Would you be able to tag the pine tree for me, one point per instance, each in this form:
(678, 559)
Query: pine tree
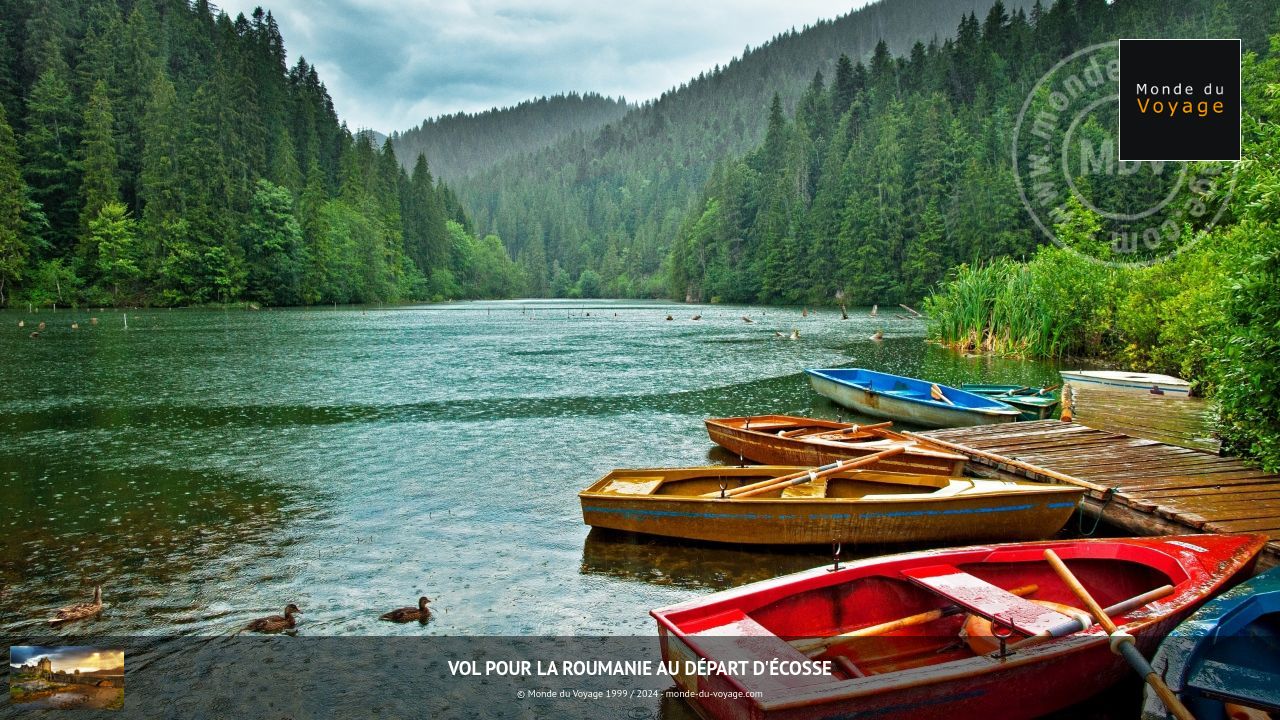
(13, 199)
(100, 184)
(49, 149)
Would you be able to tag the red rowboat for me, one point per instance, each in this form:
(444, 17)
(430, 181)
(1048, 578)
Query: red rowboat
(770, 649)
(792, 440)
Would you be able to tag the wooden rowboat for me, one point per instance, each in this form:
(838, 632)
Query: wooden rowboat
(1034, 403)
(900, 653)
(908, 399)
(850, 506)
(1224, 661)
(791, 440)
(1136, 381)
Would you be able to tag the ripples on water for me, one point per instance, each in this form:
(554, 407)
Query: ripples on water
(208, 467)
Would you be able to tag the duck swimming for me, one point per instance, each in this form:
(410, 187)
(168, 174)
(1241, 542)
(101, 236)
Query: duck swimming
(409, 614)
(275, 623)
(79, 611)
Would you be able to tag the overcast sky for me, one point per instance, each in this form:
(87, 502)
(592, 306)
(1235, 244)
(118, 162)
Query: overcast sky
(389, 65)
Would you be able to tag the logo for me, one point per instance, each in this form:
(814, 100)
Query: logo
(1067, 168)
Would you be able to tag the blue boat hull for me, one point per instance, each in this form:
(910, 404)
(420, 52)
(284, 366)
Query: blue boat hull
(1227, 652)
(907, 399)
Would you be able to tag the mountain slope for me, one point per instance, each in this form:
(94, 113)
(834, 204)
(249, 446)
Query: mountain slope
(463, 144)
(612, 200)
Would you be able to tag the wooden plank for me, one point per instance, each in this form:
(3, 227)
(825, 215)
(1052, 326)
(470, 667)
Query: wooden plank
(1270, 526)
(1156, 494)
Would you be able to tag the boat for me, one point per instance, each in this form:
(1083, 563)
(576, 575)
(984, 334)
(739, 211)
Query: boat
(850, 506)
(881, 637)
(1121, 380)
(1224, 661)
(908, 399)
(792, 440)
(1034, 403)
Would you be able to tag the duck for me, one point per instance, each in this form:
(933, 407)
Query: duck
(795, 334)
(79, 611)
(696, 317)
(40, 326)
(669, 318)
(747, 319)
(879, 335)
(35, 334)
(75, 326)
(93, 321)
(22, 323)
(275, 623)
(409, 614)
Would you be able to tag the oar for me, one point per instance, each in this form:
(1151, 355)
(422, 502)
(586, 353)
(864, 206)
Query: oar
(809, 477)
(806, 475)
(1047, 390)
(1084, 622)
(1121, 643)
(859, 428)
(813, 645)
(935, 392)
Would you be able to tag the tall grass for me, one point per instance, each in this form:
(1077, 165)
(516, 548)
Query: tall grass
(1057, 304)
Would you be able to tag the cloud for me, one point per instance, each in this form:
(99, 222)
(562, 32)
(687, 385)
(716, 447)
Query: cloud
(391, 67)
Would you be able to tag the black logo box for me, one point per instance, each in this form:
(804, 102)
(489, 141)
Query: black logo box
(1160, 77)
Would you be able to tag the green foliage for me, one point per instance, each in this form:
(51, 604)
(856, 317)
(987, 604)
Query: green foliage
(273, 246)
(176, 140)
(1211, 314)
(14, 247)
(113, 235)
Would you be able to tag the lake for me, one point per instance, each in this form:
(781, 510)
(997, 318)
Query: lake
(207, 467)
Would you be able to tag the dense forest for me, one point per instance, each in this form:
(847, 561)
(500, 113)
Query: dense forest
(159, 152)
(612, 201)
(463, 144)
(899, 169)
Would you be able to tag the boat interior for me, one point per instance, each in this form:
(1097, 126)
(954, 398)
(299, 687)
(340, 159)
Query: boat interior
(696, 482)
(1019, 586)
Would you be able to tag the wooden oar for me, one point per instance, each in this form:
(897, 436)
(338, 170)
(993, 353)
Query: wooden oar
(813, 645)
(1047, 390)
(1084, 622)
(806, 475)
(935, 392)
(1121, 643)
(859, 428)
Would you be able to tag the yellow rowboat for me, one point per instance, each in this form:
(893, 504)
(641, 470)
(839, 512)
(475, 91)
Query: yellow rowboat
(849, 506)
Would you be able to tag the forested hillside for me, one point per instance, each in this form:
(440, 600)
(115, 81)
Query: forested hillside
(156, 151)
(891, 173)
(463, 144)
(613, 200)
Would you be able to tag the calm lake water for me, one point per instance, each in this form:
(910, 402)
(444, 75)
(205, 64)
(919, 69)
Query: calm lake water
(207, 467)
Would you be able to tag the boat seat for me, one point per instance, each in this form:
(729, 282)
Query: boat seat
(736, 636)
(992, 602)
(1245, 685)
(636, 485)
(812, 489)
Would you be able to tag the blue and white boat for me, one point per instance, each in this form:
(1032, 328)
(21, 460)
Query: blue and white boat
(907, 399)
(1224, 661)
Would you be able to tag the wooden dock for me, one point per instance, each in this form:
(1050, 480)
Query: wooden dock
(1182, 421)
(1140, 484)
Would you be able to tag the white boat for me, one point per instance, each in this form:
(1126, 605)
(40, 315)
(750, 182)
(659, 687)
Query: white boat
(1121, 380)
